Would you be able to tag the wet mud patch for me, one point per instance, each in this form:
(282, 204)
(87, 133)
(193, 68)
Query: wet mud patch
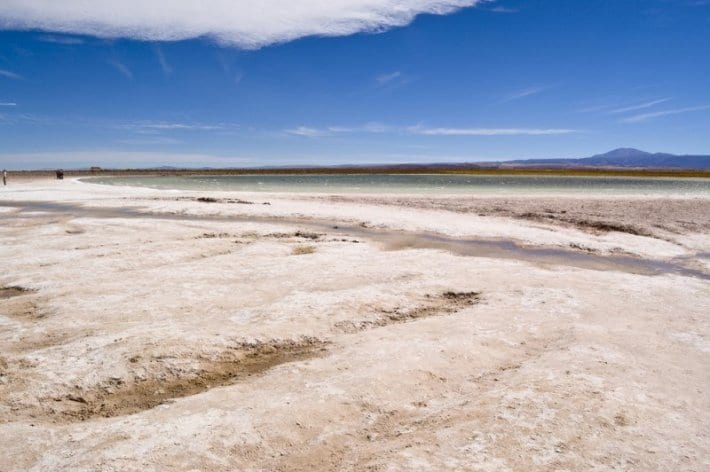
(446, 303)
(491, 248)
(300, 235)
(224, 200)
(73, 229)
(120, 397)
(581, 247)
(22, 308)
(238, 201)
(249, 237)
(14, 291)
(306, 235)
(214, 236)
(607, 227)
(296, 235)
(43, 340)
(589, 225)
(303, 249)
(18, 302)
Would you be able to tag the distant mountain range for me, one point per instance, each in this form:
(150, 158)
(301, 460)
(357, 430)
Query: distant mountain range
(622, 157)
(618, 159)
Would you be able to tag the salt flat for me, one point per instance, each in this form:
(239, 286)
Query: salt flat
(254, 331)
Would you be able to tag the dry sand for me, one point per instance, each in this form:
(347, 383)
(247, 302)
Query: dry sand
(211, 331)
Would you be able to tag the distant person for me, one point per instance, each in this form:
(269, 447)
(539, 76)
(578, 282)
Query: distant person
(4, 177)
(60, 174)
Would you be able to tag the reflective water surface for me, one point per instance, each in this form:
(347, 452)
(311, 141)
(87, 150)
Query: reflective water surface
(428, 183)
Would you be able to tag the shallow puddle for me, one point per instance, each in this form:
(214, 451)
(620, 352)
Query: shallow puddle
(395, 239)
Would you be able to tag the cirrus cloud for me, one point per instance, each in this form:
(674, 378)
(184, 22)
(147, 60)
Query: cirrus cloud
(378, 128)
(243, 23)
(491, 131)
(657, 114)
(9, 74)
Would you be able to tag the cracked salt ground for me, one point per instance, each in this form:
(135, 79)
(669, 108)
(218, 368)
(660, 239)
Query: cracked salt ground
(393, 240)
(159, 350)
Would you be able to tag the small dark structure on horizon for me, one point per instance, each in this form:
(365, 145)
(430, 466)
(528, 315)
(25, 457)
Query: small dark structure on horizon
(60, 174)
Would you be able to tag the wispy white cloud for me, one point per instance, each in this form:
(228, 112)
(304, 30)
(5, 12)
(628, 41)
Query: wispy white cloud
(313, 132)
(392, 80)
(387, 78)
(309, 132)
(149, 141)
(10, 75)
(375, 127)
(30, 119)
(163, 61)
(617, 106)
(8, 104)
(639, 106)
(164, 126)
(526, 92)
(60, 39)
(138, 127)
(172, 128)
(372, 127)
(119, 159)
(501, 9)
(649, 116)
(378, 128)
(243, 23)
(491, 131)
(595, 108)
(121, 68)
(228, 62)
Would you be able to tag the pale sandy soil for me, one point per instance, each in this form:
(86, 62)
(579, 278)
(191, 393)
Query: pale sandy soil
(273, 341)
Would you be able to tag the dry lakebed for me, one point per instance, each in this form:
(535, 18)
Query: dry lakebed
(148, 329)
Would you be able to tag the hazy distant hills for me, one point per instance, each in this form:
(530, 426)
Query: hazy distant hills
(619, 159)
(623, 157)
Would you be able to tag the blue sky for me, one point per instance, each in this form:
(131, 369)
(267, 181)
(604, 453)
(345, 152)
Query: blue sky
(358, 81)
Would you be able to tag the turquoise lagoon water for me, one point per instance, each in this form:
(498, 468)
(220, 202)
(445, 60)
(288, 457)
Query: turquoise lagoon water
(421, 184)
